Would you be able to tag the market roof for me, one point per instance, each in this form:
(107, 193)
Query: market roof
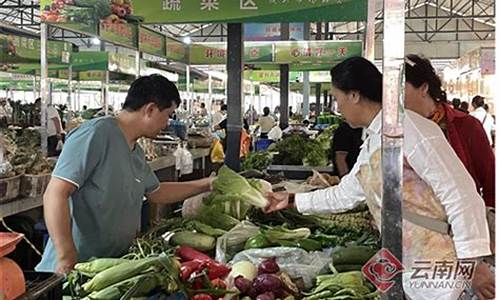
(461, 22)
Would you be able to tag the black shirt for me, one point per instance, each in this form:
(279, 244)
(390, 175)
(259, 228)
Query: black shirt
(347, 139)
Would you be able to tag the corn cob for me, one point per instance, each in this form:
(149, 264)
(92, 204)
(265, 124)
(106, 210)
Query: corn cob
(119, 273)
(96, 266)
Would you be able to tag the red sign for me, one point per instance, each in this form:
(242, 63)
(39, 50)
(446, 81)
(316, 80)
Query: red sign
(381, 269)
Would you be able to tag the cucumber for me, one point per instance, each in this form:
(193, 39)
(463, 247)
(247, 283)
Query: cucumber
(353, 255)
(198, 241)
(347, 268)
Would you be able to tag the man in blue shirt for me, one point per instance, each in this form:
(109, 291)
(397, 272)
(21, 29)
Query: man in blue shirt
(93, 202)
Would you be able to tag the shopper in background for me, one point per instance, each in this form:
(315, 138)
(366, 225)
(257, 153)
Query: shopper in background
(346, 146)
(266, 123)
(54, 128)
(251, 115)
(465, 134)
(219, 115)
(436, 185)
(483, 116)
(5, 112)
(464, 107)
(92, 205)
(456, 103)
(203, 110)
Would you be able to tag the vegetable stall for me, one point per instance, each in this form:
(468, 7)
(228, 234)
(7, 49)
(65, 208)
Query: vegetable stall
(224, 246)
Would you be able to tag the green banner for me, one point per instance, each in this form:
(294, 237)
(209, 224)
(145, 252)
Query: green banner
(121, 63)
(207, 54)
(235, 11)
(89, 60)
(20, 49)
(215, 53)
(303, 52)
(258, 52)
(176, 50)
(151, 42)
(92, 75)
(271, 76)
(119, 33)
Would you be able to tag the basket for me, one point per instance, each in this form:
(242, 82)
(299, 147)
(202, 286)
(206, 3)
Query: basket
(263, 144)
(34, 185)
(9, 188)
(43, 286)
(199, 142)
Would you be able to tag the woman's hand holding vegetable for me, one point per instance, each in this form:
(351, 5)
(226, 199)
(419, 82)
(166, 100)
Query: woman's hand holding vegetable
(279, 201)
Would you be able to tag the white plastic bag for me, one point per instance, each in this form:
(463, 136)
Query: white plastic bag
(183, 161)
(296, 262)
(275, 133)
(191, 206)
(59, 146)
(234, 240)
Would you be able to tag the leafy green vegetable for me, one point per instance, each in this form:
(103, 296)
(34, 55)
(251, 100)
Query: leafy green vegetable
(276, 234)
(259, 160)
(230, 186)
(299, 150)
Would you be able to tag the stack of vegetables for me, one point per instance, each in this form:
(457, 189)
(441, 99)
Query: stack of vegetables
(23, 152)
(299, 150)
(117, 278)
(202, 277)
(327, 230)
(266, 282)
(193, 240)
(346, 285)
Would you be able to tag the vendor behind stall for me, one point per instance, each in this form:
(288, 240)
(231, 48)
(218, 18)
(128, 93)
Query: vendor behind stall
(436, 187)
(93, 202)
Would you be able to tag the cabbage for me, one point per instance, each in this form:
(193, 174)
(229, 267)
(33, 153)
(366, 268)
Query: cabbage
(229, 186)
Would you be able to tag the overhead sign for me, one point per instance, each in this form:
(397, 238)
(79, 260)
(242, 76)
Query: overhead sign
(288, 52)
(246, 11)
(121, 63)
(20, 49)
(271, 31)
(89, 60)
(176, 50)
(151, 42)
(119, 33)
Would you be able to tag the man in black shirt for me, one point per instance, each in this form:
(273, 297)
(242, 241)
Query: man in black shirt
(346, 147)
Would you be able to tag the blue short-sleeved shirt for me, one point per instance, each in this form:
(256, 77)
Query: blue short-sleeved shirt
(112, 181)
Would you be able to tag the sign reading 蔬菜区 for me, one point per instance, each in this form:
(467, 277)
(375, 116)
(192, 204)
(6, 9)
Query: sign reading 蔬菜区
(246, 11)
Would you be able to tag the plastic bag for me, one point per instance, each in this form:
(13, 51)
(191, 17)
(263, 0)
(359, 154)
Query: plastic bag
(275, 133)
(217, 153)
(234, 240)
(59, 146)
(191, 206)
(296, 262)
(183, 160)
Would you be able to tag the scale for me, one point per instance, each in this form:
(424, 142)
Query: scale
(12, 282)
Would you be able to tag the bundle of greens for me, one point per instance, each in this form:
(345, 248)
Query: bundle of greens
(299, 150)
(325, 138)
(115, 278)
(257, 161)
(347, 285)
